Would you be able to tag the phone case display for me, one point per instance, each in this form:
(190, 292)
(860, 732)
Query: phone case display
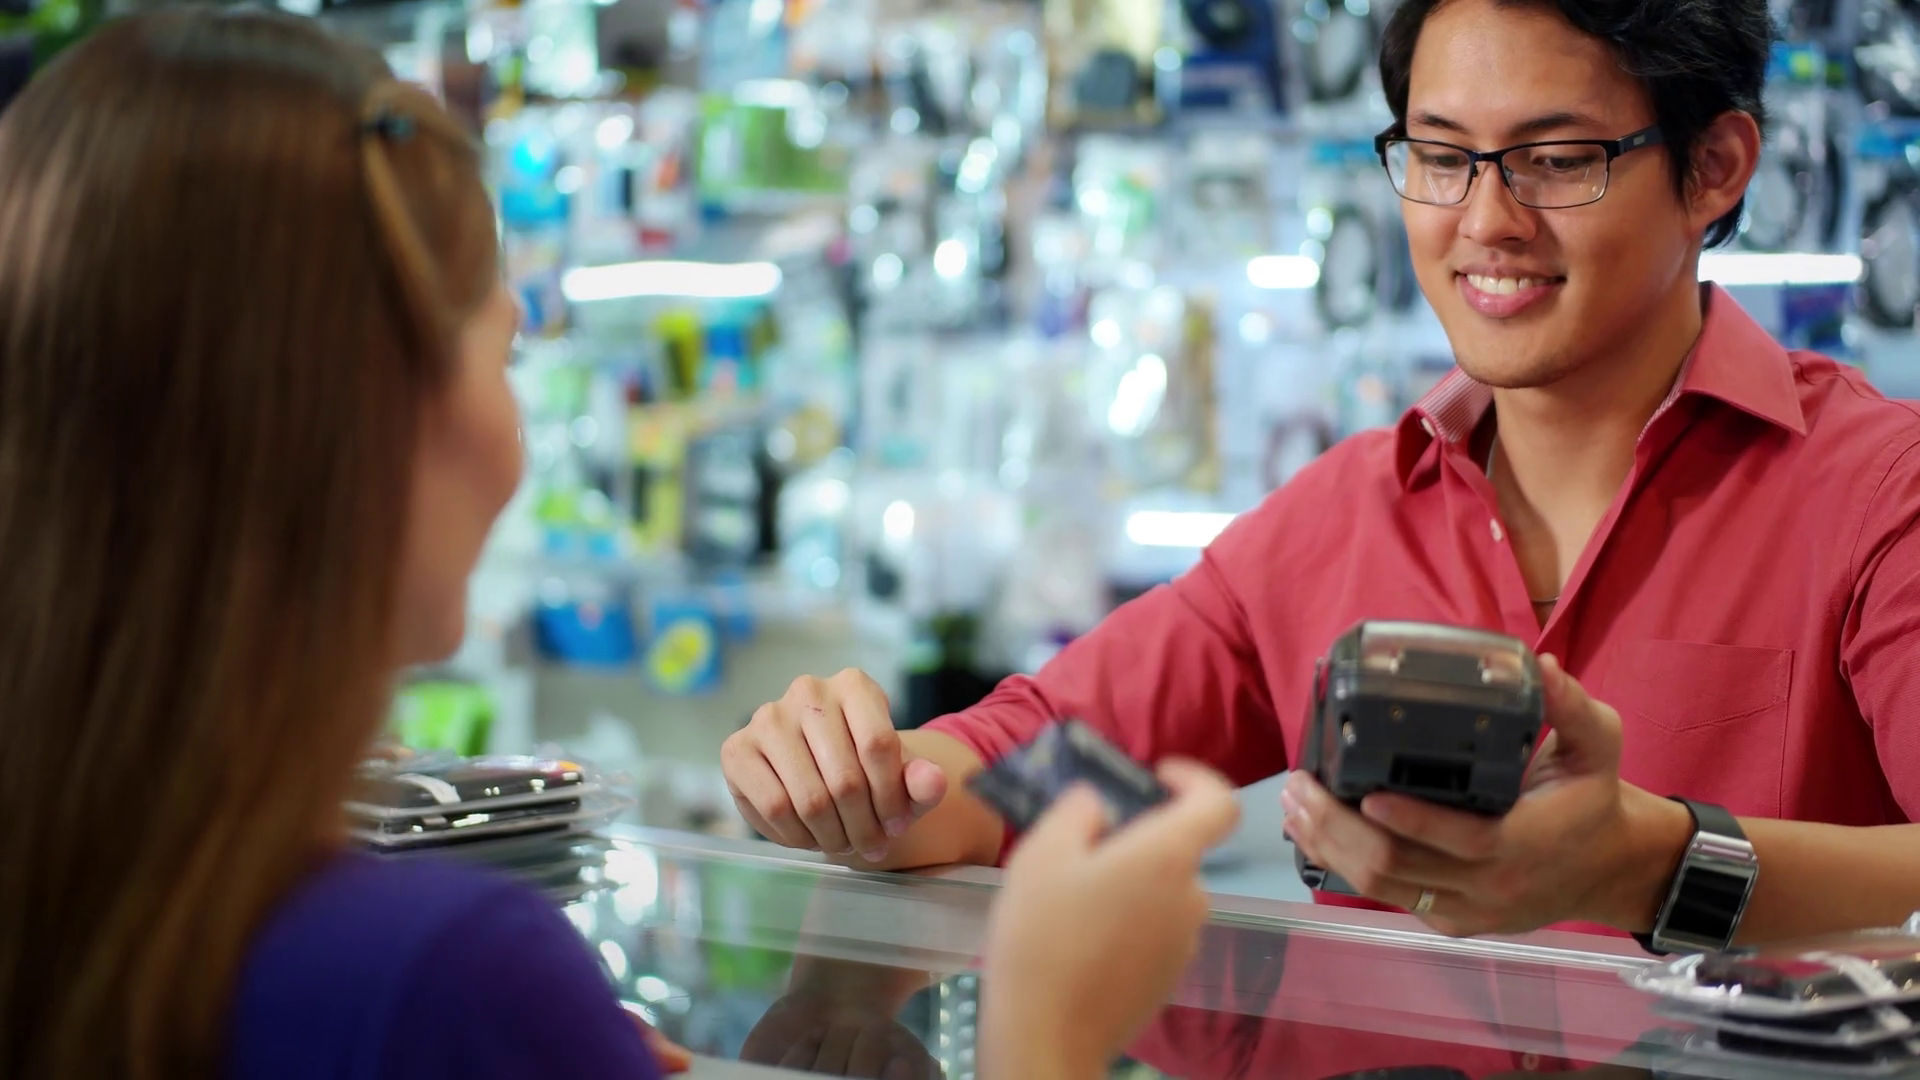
(1888, 56)
(1225, 209)
(1354, 228)
(1008, 100)
(527, 170)
(730, 493)
(1151, 387)
(1332, 50)
(1119, 187)
(574, 411)
(1102, 62)
(1813, 20)
(1054, 462)
(1845, 1004)
(444, 714)
(1889, 228)
(1797, 199)
(1338, 42)
(1230, 58)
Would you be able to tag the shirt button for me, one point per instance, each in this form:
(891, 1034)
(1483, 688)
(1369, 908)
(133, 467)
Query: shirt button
(1498, 533)
(1530, 1062)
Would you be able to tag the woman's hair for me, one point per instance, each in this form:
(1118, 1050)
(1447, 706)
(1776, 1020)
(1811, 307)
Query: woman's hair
(234, 257)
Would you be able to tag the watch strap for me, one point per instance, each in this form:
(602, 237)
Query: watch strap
(1704, 902)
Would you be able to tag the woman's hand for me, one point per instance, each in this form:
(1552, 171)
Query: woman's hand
(1093, 930)
(673, 1057)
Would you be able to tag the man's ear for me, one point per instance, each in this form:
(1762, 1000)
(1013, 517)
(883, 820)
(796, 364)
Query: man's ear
(1724, 159)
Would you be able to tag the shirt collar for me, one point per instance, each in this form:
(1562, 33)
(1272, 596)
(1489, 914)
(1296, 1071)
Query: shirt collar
(1735, 361)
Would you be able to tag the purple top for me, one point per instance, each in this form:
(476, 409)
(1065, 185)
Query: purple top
(418, 969)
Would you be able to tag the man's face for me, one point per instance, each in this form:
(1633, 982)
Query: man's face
(1528, 296)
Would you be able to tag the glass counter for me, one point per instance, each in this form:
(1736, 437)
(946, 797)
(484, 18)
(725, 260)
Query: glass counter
(748, 953)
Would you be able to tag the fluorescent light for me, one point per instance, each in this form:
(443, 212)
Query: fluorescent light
(772, 94)
(697, 281)
(1175, 528)
(1283, 272)
(1787, 268)
(898, 521)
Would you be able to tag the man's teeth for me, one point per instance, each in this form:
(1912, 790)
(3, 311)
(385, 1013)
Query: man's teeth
(1505, 286)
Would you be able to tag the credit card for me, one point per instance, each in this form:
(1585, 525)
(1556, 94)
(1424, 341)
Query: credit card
(1022, 785)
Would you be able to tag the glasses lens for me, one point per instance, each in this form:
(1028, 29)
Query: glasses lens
(1557, 175)
(1428, 172)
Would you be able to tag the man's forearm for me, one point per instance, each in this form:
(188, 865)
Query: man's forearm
(960, 830)
(1814, 879)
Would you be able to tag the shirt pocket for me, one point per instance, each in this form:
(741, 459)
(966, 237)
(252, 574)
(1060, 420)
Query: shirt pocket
(1687, 685)
(1703, 720)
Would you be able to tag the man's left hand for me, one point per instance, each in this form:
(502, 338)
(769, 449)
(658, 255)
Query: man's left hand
(1580, 844)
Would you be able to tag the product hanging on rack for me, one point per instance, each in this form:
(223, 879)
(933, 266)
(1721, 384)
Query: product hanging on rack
(1339, 40)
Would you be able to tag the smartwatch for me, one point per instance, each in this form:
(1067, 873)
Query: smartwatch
(1710, 890)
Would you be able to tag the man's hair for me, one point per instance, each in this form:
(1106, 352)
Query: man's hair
(1698, 59)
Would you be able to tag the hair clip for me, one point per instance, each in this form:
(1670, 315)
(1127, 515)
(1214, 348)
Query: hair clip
(389, 124)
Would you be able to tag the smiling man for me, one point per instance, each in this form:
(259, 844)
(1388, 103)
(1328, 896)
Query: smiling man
(1714, 534)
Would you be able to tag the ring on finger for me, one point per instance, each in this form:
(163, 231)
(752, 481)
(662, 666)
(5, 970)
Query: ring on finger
(1425, 903)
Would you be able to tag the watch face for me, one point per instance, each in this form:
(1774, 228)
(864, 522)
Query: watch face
(1711, 905)
(1890, 247)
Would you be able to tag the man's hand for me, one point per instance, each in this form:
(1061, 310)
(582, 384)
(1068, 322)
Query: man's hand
(1579, 845)
(838, 1036)
(823, 769)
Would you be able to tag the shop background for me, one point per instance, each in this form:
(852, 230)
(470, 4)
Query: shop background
(914, 336)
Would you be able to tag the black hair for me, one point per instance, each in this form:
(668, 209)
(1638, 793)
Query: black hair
(1698, 59)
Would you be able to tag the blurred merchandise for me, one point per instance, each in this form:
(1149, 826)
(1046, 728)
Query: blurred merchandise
(914, 336)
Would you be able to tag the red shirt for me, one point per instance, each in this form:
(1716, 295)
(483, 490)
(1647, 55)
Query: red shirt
(1750, 603)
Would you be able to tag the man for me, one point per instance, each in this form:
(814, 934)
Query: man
(1714, 534)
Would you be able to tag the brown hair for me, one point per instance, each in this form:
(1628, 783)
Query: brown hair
(233, 255)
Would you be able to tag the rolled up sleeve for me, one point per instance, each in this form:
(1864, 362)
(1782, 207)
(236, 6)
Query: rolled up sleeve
(1171, 673)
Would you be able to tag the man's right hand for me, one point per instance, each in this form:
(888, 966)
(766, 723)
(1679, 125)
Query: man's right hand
(823, 769)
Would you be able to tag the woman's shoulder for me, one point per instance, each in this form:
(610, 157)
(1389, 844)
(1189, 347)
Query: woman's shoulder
(378, 967)
(359, 920)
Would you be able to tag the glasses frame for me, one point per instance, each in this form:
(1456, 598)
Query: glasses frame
(1613, 148)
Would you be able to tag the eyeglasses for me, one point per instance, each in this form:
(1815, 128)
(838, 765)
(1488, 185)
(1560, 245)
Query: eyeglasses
(1542, 175)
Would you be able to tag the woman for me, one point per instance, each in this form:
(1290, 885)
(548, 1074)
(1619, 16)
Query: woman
(254, 428)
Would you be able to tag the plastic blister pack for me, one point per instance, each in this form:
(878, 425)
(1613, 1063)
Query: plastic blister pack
(1794, 980)
(1846, 1004)
(1793, 1059)
(1022, 785)
(448, 800)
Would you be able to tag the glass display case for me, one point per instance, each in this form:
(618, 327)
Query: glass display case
(756, 957)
